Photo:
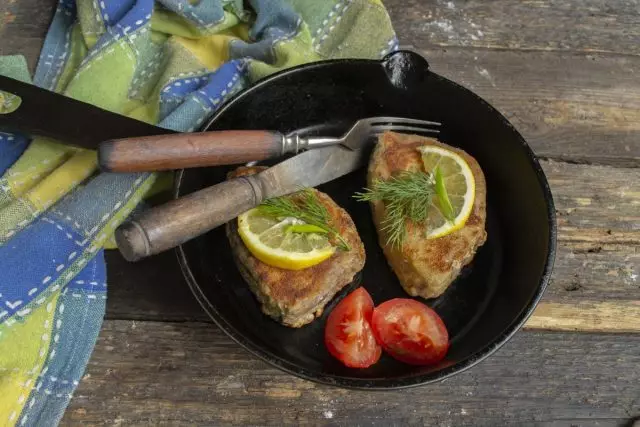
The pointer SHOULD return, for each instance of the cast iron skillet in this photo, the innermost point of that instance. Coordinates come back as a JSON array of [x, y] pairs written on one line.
[[482, 309]]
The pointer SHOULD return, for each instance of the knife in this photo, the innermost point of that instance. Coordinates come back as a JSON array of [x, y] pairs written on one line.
[[169, 225], [122, 141], [45, 113]]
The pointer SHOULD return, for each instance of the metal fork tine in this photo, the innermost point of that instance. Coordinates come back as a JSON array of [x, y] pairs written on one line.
[[401, 121], [359, 133], [380, 129]]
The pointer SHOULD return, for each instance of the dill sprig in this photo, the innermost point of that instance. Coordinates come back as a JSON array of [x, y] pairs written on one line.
[[406, 196], [305, 206]]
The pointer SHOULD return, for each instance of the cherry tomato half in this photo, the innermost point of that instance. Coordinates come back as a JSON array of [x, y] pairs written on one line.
[[348, 334], [410, 331]]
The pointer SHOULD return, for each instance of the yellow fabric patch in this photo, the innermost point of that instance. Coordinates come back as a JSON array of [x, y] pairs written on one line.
[[211, 51], [77, 51], [148, 112], [167, 22], [240, 31], [113, 96], [23, 349], [377, 2], [75, 170], [39, 159]]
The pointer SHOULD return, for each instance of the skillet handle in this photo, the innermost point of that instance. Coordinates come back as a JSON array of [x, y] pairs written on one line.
[[169, 225], [179, 151]]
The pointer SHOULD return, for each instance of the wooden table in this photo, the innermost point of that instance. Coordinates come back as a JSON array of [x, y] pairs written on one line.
[[567, 74]]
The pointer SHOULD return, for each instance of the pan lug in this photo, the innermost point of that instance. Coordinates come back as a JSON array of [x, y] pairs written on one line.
[[405, 68]]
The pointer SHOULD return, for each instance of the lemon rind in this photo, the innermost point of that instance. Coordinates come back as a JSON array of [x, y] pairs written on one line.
[[469, 196]]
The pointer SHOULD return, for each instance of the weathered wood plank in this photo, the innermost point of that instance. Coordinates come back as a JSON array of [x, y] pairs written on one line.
[[587, 316], [595, 271], [190, 373], [595, 202], [153, 288], [564, 25], [580, 108], [23, 26]]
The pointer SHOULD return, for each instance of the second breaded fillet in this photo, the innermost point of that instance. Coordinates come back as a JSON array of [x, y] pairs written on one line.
[[425, 267], [295, 298]]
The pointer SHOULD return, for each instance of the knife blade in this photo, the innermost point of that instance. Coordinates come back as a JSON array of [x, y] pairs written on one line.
[[309, 169], [169, 225], [45, 113]]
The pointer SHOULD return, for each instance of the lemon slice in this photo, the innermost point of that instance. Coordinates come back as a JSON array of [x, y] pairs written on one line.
[[275, 241], [455, 190]]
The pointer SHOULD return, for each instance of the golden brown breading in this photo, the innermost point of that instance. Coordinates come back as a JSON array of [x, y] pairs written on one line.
[[426, 267], [295, 298]]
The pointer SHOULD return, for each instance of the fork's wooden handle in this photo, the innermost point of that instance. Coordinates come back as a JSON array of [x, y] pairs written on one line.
[[188, 150], [169, 225]]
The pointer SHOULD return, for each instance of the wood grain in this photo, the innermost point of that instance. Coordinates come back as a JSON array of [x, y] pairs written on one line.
[[23, 26], [587, 316], [169, 225], [586, 26], [578, 108], [595, 202], [191, 373], [188, 150]]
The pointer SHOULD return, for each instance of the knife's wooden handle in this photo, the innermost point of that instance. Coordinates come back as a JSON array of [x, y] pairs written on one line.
[[169, 225], [188, 150]]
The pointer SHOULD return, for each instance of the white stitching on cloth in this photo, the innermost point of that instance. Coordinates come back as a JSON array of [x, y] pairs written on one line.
[[118, 204], [286, 36], [172, 80], [67, 234], [129, 38], [34, 213], [150, 68], [62, 58], [199, 20], [52, 353], [55, 49], [79, 263], [318, 31], [41, 354], [98, 55], [75, 342], [344, 5]]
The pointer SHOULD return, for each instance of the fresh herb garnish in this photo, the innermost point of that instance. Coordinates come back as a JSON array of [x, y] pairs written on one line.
[[406, 196], [303, 205]]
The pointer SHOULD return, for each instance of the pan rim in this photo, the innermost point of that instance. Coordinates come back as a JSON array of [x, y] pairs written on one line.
[[382, 383]]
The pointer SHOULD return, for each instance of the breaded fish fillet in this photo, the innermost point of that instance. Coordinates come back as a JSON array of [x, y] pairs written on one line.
[[295, 298], [425, 267]]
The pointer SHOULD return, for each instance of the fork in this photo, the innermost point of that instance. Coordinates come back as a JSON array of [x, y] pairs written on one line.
[[215, 148]]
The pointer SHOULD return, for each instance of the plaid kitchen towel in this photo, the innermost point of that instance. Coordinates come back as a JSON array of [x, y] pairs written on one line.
[[170, 62]]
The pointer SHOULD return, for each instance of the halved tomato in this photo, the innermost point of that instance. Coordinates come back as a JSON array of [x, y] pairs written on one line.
[[348, 334], [410, 331]]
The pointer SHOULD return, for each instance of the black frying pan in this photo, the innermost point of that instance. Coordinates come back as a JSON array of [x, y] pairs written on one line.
[[492, 297], [482, 309]]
